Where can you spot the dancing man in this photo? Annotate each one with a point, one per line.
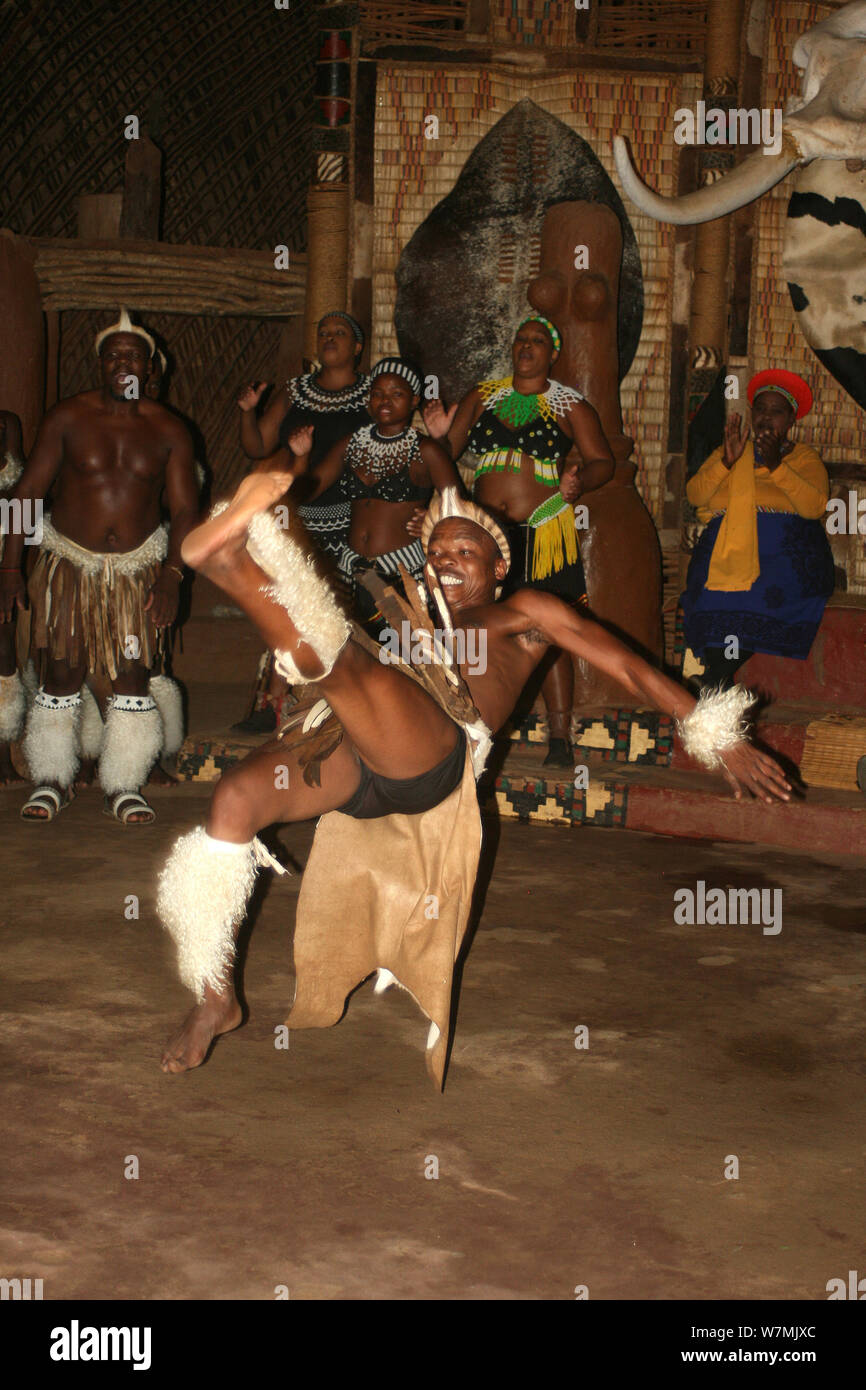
(401, 748)
(105, 584)
(520, 431)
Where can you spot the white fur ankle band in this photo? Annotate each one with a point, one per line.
(716, 723)
(307, 598)
(130, 744)
(167, 696)
(12, 706)
(51, 742)
(202, 898)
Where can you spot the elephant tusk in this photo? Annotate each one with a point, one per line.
(757, 173)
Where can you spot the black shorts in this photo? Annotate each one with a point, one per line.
(408, 796)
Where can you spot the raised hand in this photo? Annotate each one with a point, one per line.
(251, 394)
(301, 441)
(746, 766)
(437, 419)
(736, 439)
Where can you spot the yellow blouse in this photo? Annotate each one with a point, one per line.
(800, 484)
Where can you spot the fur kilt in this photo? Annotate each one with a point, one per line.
(86, 606)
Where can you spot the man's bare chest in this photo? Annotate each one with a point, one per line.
(115, 458)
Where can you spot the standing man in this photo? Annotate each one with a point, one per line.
(105, 584)
(520, 431)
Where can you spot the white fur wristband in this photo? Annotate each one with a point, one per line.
(716, 723)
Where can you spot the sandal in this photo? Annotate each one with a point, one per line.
(123, 805)
(47, 799)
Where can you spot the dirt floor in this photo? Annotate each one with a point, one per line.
(558, 1166)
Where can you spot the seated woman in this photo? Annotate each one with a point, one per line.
(384, 472)
(521, 430)
(762, 570)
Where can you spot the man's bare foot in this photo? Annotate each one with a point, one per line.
(227, 532)
(160, 778)
(219, 1013)
(8, 776)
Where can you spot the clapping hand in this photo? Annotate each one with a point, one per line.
(416, 522)
(736, 439)
(768, 445)
(438, 419)
(250, 395)
(301, 441)
(569, 483)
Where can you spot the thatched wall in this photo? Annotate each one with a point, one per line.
(225, 91)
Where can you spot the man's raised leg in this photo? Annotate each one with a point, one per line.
(396, 728)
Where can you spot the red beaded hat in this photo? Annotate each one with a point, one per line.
(788, 384)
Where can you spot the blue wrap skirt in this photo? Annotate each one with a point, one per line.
(781, 612)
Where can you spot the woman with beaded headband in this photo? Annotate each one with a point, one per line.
(12, 698)
(385, 472)
(332, 401)
(762, 569)
(519, 432)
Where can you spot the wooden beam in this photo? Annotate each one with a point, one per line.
(459, 50)
(155, 277)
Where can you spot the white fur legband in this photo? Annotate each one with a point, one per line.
(92, 728)
(307, 598)
(12, 706)
(10, 472)
(202, 899)
(166, 693)
(131, 743)
(51, 745)
(716, 723)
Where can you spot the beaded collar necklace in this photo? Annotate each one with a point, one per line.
(516, 410)
(379, 454)
(307, 393)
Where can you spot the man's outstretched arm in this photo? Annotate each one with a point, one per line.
(742, 764)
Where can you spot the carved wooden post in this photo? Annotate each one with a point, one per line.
(328, 211)
(708, 325)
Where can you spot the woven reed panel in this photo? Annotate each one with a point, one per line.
(234, 124)
(411, 19)
(547, 23)
(413, 174)
(832, 749)
(661, 26)
(836, 427)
